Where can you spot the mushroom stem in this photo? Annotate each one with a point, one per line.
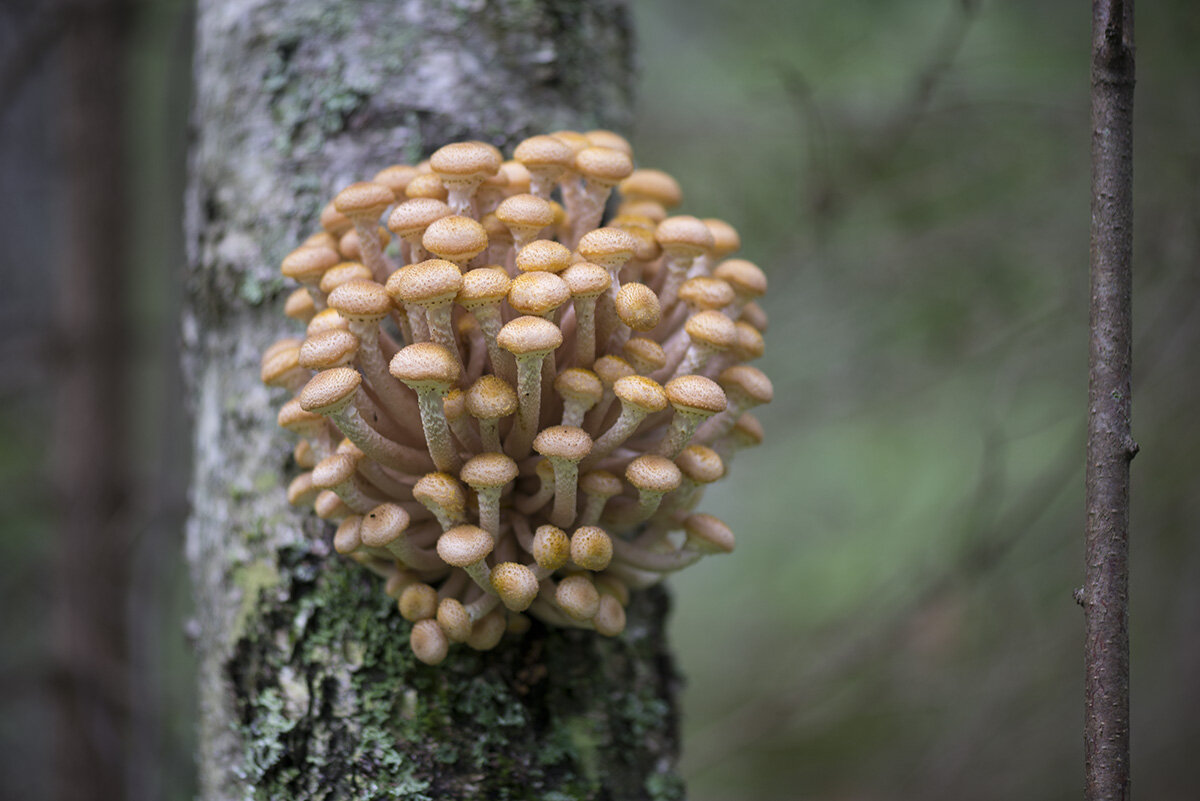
(585, 332)
(399, 405)
(529, 396)
(385, 451)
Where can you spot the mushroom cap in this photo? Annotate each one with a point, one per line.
(361, 300)
(308, 264)
(413, 216)
(745, 277)
(383, 524)
(321, 239)
(280, 346)
(497, 232)
(569, 443)
(341, 273)
(591, 548)
(753, 314)
(608, 247)
(605, 138)
(578, 597)
(329, 506)
(488, 470)
(696, 394)
(454, 619)
(544, 151)
(600, 483)
(652, 473)
(587, 280)
(529, 335)
(525, 212)
(455, 238)
(537, 293)
(650, 209)
(325, 320)
(638, 306)
(700, 464)
(705, 292)
(428, 642)
(708, 534)
(333, 348)
(443, 490)
(491, 397)
(281, 363)
(544, 255)
(488, 630)
(464, 545)
(329, 391)
(518, 176)
(418, 601)
(579, 384)
(333, 221)
(516, 585)
(684, 236)
(300, 491)
(396, 177)
(425, 364)
(484, 285)
(748, 429)
(346, 539)
(551, 547)
(655, 185)
(364, 199)
(294, 418)
(426, 283)
(603, 165)
(711, 329)
(641, 392)
(426, 185)
(454, 404)
(572, 139)
(750, 344)
(299, 305)
(725, 237)
(335, 469)
(610, 617)
(465, 163)
(748, 382)
(609, 368)
(645, 354)
(351, 248)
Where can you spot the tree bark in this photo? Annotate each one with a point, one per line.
(1110, 447)
(307, 686)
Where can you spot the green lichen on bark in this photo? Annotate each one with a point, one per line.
(332, 704)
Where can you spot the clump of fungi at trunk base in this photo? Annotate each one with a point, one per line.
(509, 405)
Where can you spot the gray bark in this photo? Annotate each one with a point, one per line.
(307, 688)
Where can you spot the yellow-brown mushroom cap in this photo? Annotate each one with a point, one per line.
(544, 255)
(587, 280)
(725, 237)
(551, 547)
(484, 285)
(569, 443)
(364, 199)
(525, 212)
(600, 483)
(645, 354)
(425, 283)
(488, 470)
(465, 163)
(749, 429)
(705, 292)
(610, 368)
(700, 464)
(753, 314)
(334, 222)
(491, 397)
(537, 293)
(418, 602)
(426, 185)
(750, 344)
(696, 394)
(684, 235)
(425, 364)
(747, 381)
(711, 329)
(279, 363)
(544, 151)
(579, 384)
(601, 137)
(332, 348)
(578, 597)
(529, 335)
(396, 177)
(361, 300)
(441, 489)
(708, 534)
(308, 264)
(638, 306)
(383, 524)
(453, 617)
(591, 548)
(518, 176)
(330, 390)
(299, 305)
(655, 185)
(603, 165)
(644, 393)
(333, 470)
(608, 247)
(516, 585)
(745, 277)
(293, 417)
(653, 473)
(326, 320)
(572, 139)
(428, 642)
(464, 545)
(343, 273)
(455, 238)
(415, 215)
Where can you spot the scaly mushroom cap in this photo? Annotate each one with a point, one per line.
(464, 545)
(518, 404)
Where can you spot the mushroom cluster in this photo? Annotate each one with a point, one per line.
(510, 406)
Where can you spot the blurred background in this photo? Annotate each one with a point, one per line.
(913, 177)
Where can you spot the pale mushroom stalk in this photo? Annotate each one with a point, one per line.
(564, 446)
(530, 504)
(385, 451)
(656, 561)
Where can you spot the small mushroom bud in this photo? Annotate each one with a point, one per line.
(333, 348)
(604, 138)
(337, 472)
(546, 158)
(655, 186)
(591, 548)
(637, 309)
(396, 177)
(300, 491)
(597, 486)
(526, 216)
(443, 495)
(710, 333)
(580, 390)
(489, 400)
(488, 474)
(334, 222)
(468, 546)
(428, 642)
(454, 619)
(364, 203)
(639, 396)
(746, 279)
(609, 619)
(306, 265)
(463, 166)
(543, 255)
(516, 585)
(753, 314)
(341, 273)
(426, 186)
(707, 534)
(299, 305)
(329, 506)
(431, 371)
(295, 419)
(653, 477)
(683, 239)
(488, 631)
(418, 602)
(410, 219)
(551, 548)
(456, 239)
(577, 596)
(725, 237)
(646, 355)
(386, 527)
(695, 399)
(283, 368)
(325, 320)
(346, 540)
(746, 387)
(565, 447)
(747, 432)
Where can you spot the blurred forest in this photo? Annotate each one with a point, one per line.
(913, 177)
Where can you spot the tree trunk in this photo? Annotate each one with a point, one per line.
(307, 686)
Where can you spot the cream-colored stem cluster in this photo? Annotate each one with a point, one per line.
(521, 418)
